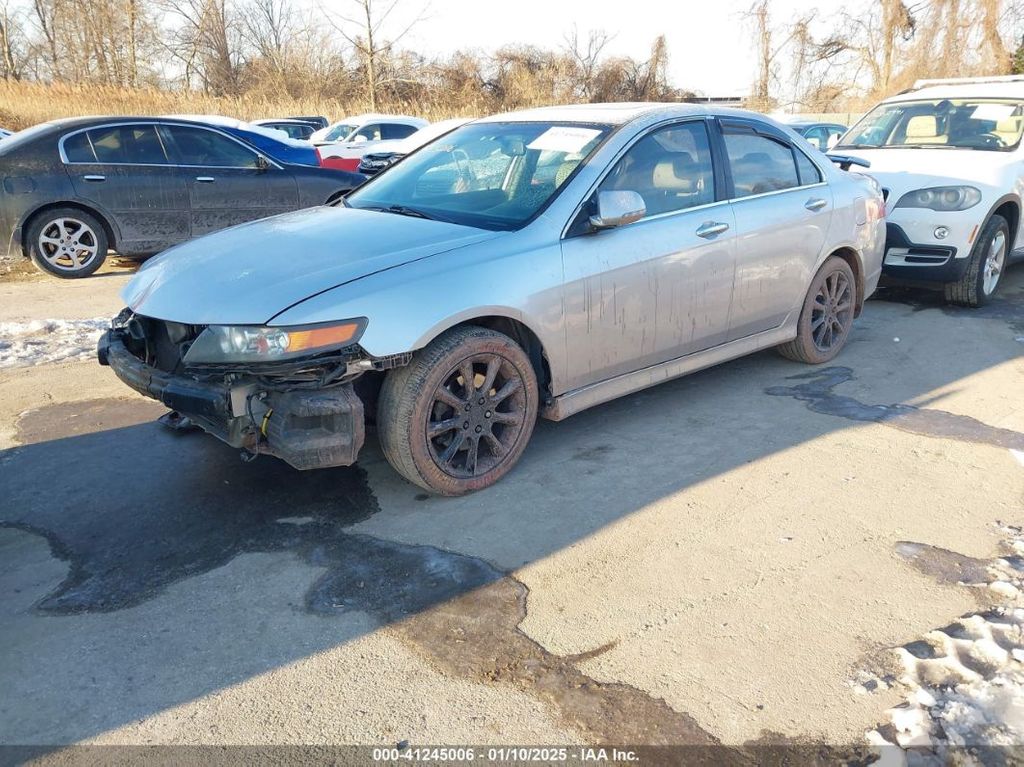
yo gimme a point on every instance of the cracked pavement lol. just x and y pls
(708, 561)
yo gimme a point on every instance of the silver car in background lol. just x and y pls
(539, 262)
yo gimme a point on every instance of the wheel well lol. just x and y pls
(529, 342)
(1011, 213)
(851, 258)
(107, 228)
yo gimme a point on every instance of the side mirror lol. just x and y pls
(262, 163)
(359, 139)
(618, 208)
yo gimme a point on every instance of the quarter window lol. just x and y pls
(759, 164)
(204, 148)
(670, 169)
(78, 149)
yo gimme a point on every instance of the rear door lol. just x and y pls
(228, 182)
(124, 170)
(783, 209)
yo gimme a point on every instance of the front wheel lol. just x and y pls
(826, 316)
(67, 242)
(985, 268)
(458, 417)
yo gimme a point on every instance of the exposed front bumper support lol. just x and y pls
(307, 428)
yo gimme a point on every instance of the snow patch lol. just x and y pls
(963, 684)
(37, 342)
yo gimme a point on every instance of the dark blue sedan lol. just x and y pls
(74, 189)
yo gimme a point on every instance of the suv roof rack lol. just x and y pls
(968, 80)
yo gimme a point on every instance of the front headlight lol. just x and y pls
(220, 344)
(941, 198)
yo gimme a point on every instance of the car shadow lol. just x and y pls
(153, 590)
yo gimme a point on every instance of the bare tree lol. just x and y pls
(207, 42)
(586, 56)
(11, 45)
(371, 43)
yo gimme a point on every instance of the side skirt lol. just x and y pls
(565, 405)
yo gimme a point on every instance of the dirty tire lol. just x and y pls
(970, 290)
(826, 316)
(449, 438)
(66, 242)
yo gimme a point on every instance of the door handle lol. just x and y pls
(94, 177)
(205, 179)
(815, 203)
(711, 228)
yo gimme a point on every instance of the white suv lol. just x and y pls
(343, 144)
(948, 156)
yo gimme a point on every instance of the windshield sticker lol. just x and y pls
(994, 112)
(561, 139)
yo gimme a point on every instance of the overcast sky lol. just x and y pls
(709, 42)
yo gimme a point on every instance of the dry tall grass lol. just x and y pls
(23, 104)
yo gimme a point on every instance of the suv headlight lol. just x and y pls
(941, 198)
(259, 343)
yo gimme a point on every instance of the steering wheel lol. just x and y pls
(982, 141)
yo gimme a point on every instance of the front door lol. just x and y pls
(124, 171)
(228, 182)
(661, 287)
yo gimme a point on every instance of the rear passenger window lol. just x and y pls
(108, 144)
(123, 145)
(396, 130)
(670, 168)
(759, 164)
(78, 149)
(807, 170)
(205, 148)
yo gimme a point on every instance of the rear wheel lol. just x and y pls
(458, 417)
(826, 316)
(66, 242)
(985, 269)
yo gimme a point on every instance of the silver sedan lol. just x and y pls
(541, 262)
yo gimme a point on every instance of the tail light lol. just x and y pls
(319, 157)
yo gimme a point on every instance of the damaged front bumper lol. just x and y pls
(307, 428)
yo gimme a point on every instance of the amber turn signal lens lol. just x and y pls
(336, 335)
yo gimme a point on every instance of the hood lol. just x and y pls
(917, 168)
(390, 146)
(247, 274)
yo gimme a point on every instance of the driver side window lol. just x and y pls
(204, 148)
(670, 169)
(368, 133)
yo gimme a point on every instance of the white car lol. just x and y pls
(384, 154)
(343, 144)
(948, 156)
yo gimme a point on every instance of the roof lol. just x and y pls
(283, 121)
(617, 113)
(377, 116)
(991, 90)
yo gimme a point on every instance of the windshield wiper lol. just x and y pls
(402, 210)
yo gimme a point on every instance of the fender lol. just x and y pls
(1014, 226)
(99, 211)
